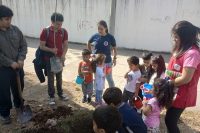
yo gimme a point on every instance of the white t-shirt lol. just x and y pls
(151, 81)
(99, 78)
(132, 80)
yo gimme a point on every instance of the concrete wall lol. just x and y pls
(81, 16)
(138, 24)
(146, 24)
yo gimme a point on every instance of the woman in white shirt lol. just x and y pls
(158, 64)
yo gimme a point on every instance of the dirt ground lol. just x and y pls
(64, 114)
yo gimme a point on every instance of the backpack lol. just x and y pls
(39, 54)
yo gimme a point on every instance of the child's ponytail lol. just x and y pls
(94, 65)
(99, 59)
(164, 92)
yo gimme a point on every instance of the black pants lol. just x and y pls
(8, 84)
(51, 88)
(171, 119)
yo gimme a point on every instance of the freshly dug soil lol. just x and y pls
(41, 118)
(60, 112)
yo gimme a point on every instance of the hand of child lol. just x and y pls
(143, 80)
(144, 102)
(148, 91)
(136, 95)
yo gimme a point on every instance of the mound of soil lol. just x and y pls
(60, 112)
(42, 117)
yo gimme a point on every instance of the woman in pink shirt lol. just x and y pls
(186, 60)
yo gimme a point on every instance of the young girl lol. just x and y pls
(98, 68)
(146, 70)
(158, 64)
(163, 97)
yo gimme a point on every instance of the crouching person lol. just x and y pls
(131, 121)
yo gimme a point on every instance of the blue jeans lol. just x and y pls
(109, 77)
(98, 96)
(87, 89)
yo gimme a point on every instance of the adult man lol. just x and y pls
(13, 50)
(54, 41)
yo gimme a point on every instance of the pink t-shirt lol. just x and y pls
(187, 94)
(153, 119)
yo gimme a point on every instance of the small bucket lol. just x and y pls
(108, 70)
(79, 80)
(137, 101)
(146, 87)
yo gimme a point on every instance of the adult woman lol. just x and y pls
(104, 43)
(186, 60)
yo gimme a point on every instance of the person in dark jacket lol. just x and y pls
(39, 65)
(131, 121)
(13, 50)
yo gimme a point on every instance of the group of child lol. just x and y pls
(86, 69)
(153, 72)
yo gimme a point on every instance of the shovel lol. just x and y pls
(25, 112)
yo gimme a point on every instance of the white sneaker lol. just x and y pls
(52, 101)
(64, 97)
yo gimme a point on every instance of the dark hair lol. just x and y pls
(164, 92)
(113, 95)
(104, 24)
(107, 118)
(5, 12)
(99, 59)
(188, 34)
(147, 56)
(55, 17)
(134, 60)
(86, 52)
(159, 60)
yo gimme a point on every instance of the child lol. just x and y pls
(106, 119)
(85, 71)
(146, 68)
(132, 76)
(163, 97)
(132, 122)
(98, 68)
(158, 64)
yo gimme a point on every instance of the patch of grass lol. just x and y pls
(79, 122)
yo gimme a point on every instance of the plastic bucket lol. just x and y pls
(79, 80)
(137, 101)
(108, 70)
(147, 87)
